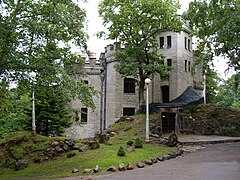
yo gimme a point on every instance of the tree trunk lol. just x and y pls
(141, 100)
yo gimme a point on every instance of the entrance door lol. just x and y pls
(168, 122)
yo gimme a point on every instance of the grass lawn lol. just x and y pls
(105, 156)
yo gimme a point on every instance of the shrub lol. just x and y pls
(130, 143)
(121, 151)
(228, 131)
(138, 143)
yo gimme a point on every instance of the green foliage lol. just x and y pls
(229, 92)
(130, 143)
(216, 24)
(138, 143)
(229, 131)
(51, 111)
(121, 151)
(136, 24)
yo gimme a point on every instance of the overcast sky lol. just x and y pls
(95, 24)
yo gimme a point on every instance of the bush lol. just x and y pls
(138, 143)
(130, 143)
(121, 151)
(228, 131)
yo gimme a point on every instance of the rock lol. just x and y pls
(103, 137)
(21, 164)
(81, 149)
(37, 160)
(161, 158)
(140, 165)
(172, 155)
(75, 170)
(154, 160)
(166, 157)
(65, 148)
(71, 154)
(111, 168)
(172, 140)
(154, 135)
(97, 169)
(75, 147)
(87, 171)
(148, 162)
(69, 142)
(129, 166)
(130, 149)
(128, 128)
(93, 145)
(59, 149)
(121, 167)
(113, 134)
(130, 119)
(54, 144)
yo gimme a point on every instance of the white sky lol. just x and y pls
(97, 45)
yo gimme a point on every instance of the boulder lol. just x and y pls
(148, 162)
(97, 169)
(75, 147)
(82, 149)
(93, 145)
(54, 144)
(121, 167)
(130, 149)
(87, 171)
(161, 158)
(129, 166)
(75, 170)
(111, 168)
(172, 140)
(69, 142)
(140, 165)
(154, 160)
(21, 164)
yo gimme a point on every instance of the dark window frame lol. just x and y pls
(186, 63)
(161, 42)
(185, 42)
(189, 66)
(129, 86)
(128, 111)
(169, 41)
(84, 115)
(189, 45)
(169, 62)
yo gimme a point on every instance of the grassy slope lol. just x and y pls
(105, 156)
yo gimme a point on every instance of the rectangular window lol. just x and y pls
(129, 85)
(169, 62)
(128, 111)
(185, 43)
(189, 44)
(161, 39)
(169, 41)
(186, 66)
(189, 66)
(84, 114)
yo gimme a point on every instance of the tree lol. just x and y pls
(35, 43)
(216, 25)
(136, 24)
(229, 93)
(35, 48)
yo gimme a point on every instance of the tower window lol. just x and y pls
(169, 41)
(84, 114)
(186, 66)
(185, 43)
(128, 111)
(169, 62)
(161, 39)
(189, 44)
(129, 85)
(189, 66)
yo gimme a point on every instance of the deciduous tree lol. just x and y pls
(136, 24)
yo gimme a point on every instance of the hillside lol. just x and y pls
(212, 119)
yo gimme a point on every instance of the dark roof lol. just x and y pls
(188, 98)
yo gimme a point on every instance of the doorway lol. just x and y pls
(168, 122)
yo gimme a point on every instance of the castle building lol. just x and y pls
(119, 95)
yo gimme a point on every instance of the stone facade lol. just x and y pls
(112, 102)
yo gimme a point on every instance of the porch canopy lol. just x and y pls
(188, 98)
